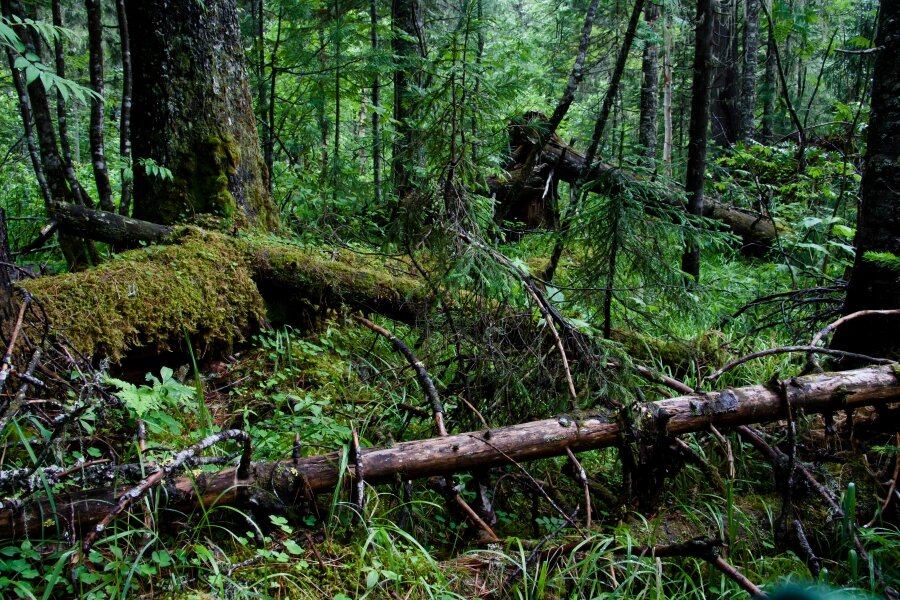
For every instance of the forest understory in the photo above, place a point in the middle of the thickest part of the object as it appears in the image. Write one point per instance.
(450, 300)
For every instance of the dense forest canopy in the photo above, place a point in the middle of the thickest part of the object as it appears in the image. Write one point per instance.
(581, 298)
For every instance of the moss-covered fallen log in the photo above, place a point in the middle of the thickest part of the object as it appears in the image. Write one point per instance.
(300, 480)
(218, 288)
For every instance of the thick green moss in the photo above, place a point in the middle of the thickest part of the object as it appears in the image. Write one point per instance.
(151, 296)
(201, 178)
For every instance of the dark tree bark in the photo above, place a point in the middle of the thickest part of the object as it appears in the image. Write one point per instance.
(25, 113)
(875, 285)
(407, 45)
(577, 73)
(696, 166)
(748, 74)
(193, 115)
(649, 88)
(125, 116)
(724, 115)
(95, 53)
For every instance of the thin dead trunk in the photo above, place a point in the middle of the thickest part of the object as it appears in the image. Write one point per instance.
(577, 73)
(599, 127)
(125, 116)
(95, 53)
(25, 113)
(300, 480)
(376, 105)
(696, 166)
(62, 112)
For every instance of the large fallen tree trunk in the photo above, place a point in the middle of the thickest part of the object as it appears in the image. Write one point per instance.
(525, 193)
(299, 480)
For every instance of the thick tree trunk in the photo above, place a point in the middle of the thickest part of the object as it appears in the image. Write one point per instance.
(748, 74)
(696, 166)
(300, 480)
(876, 284)
(649, 89)
(193, 115)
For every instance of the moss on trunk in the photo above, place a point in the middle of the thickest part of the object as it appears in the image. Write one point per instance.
(193, 115)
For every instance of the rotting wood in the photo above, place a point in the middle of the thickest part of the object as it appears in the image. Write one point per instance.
(290, 480)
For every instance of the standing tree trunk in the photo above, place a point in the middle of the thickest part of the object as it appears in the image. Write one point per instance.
(649, 89)
(406, 26)
(193, 115)
(77, 253)
(875, 284)
(376, 103)
(724, 94)
(95, 54)
(748, 74)
(62, 117)
(667, 94)
(696, 166)
(769, 90)
(125, 117)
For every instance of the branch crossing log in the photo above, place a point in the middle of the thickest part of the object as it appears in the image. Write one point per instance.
(297, 481)
(521, 195)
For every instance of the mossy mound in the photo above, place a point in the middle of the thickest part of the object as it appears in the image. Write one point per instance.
(150, 297)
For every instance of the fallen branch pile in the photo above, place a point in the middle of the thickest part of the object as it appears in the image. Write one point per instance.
(299, 480)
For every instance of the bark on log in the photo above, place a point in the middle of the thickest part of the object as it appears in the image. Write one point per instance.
(107, 226)
(298, 481)
(521, 196)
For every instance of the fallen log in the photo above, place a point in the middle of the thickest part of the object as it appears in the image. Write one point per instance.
(219, 287)
(524, 193)
(299, 480)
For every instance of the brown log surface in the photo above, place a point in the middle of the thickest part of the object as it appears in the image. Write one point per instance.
(294, 481)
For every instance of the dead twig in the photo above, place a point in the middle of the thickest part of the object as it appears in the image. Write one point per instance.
(789, 349)
(581, 476)
(181, 459)
(890, 494)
